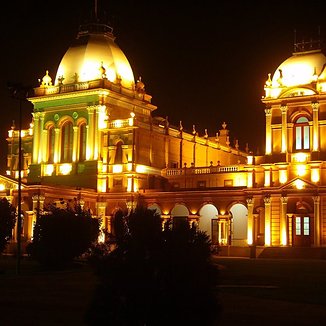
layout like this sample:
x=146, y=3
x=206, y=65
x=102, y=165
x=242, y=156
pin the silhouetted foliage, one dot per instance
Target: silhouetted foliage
x=7, y=222
x=155, y=276
x=60, y=235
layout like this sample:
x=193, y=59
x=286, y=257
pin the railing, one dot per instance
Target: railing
x=169, y=172
x=98, y=83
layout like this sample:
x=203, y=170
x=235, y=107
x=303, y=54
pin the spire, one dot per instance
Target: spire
x=95, y=24
x=95, y=10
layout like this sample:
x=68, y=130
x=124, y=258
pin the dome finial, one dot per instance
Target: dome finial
x=102, y=71
x=280, y=78
x=140, y=86
x=269, y=81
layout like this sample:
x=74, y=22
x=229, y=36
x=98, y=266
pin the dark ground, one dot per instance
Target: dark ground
x=251, y=292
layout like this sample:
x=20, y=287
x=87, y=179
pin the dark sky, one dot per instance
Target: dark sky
x=203, y=63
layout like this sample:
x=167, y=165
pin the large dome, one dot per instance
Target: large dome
x=301, y=68
x=95, y=55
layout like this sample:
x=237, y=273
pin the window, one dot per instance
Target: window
x=302, y=225
x=306, y=226
x=66, y=142
x=302, y=138
x=298, y=225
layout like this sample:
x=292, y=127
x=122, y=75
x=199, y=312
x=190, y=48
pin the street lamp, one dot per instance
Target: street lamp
x=20, y=93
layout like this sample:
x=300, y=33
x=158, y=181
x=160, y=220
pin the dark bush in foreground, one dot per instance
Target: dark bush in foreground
x=155, y=276
x=7, y=222
x=60, y=235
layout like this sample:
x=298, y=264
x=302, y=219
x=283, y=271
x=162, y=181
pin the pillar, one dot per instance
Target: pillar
x=41, y=138
x=75, y=144
x=57, y=153
x=45, y=145
x=96, y=131
x=315, y=130
x=284, y=128
x=267, y=202
x=90, y=134
x=250, y=228
x=36, y=137
x=317, y=223
x=268, y=114
x=283, y=222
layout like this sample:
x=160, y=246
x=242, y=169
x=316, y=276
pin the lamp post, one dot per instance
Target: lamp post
x=19, y=93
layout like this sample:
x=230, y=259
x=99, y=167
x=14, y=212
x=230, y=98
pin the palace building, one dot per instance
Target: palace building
x=93, y=138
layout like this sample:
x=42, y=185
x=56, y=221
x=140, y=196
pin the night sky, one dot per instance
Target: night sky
x=203, y=63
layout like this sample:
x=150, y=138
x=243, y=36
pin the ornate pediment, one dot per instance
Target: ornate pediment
x=299, y=184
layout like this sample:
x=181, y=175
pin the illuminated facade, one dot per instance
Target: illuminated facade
x=93, y=138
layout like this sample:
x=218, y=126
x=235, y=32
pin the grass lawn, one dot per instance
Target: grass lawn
x=272, y=291
x=36, y=297
x=251, y=292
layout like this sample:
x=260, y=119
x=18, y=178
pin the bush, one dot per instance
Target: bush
x=60, y=235
x=155, y=276
x=7, y=222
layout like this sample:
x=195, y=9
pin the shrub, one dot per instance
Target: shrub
x=60, y=235
x=155, y=276
x=7, y=222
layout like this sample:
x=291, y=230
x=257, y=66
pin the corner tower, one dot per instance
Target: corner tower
x=84, y=121
x=295, y=106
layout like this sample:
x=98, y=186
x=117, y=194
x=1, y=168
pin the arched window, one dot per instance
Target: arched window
x=301, y=132
x=82, y=142
x=66, y=142
x=118, y=153
x=51, y=134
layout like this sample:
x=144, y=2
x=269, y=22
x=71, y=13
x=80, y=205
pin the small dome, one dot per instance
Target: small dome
x=95, y=55
x=301, y=68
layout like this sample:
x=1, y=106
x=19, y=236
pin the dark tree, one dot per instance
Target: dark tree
x=155, y=276
x=7, y=222
x=60, y=235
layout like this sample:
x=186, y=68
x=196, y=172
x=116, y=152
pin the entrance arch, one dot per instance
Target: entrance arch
x=239, y=225
x=208, y=221
x=179, y=215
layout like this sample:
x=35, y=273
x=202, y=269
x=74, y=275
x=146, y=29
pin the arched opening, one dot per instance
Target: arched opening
x=239, y=225
x=66, y=142
x=208, y=222
x=179, y=215
x=155, y=207
x=118, y=153
x=82, y=142
x=301, y=134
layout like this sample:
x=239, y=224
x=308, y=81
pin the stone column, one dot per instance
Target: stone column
x=57, y=153
x=283, y=222
x=267, y=202
x=250, y=228
x=75, y=144
x=284, y=128
x=317, y=223
x=90, y=134
x=45, y=145
x=40, y=137
x=268, y=114
x=96, y=132
x=36, y=137
x=315, y=129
